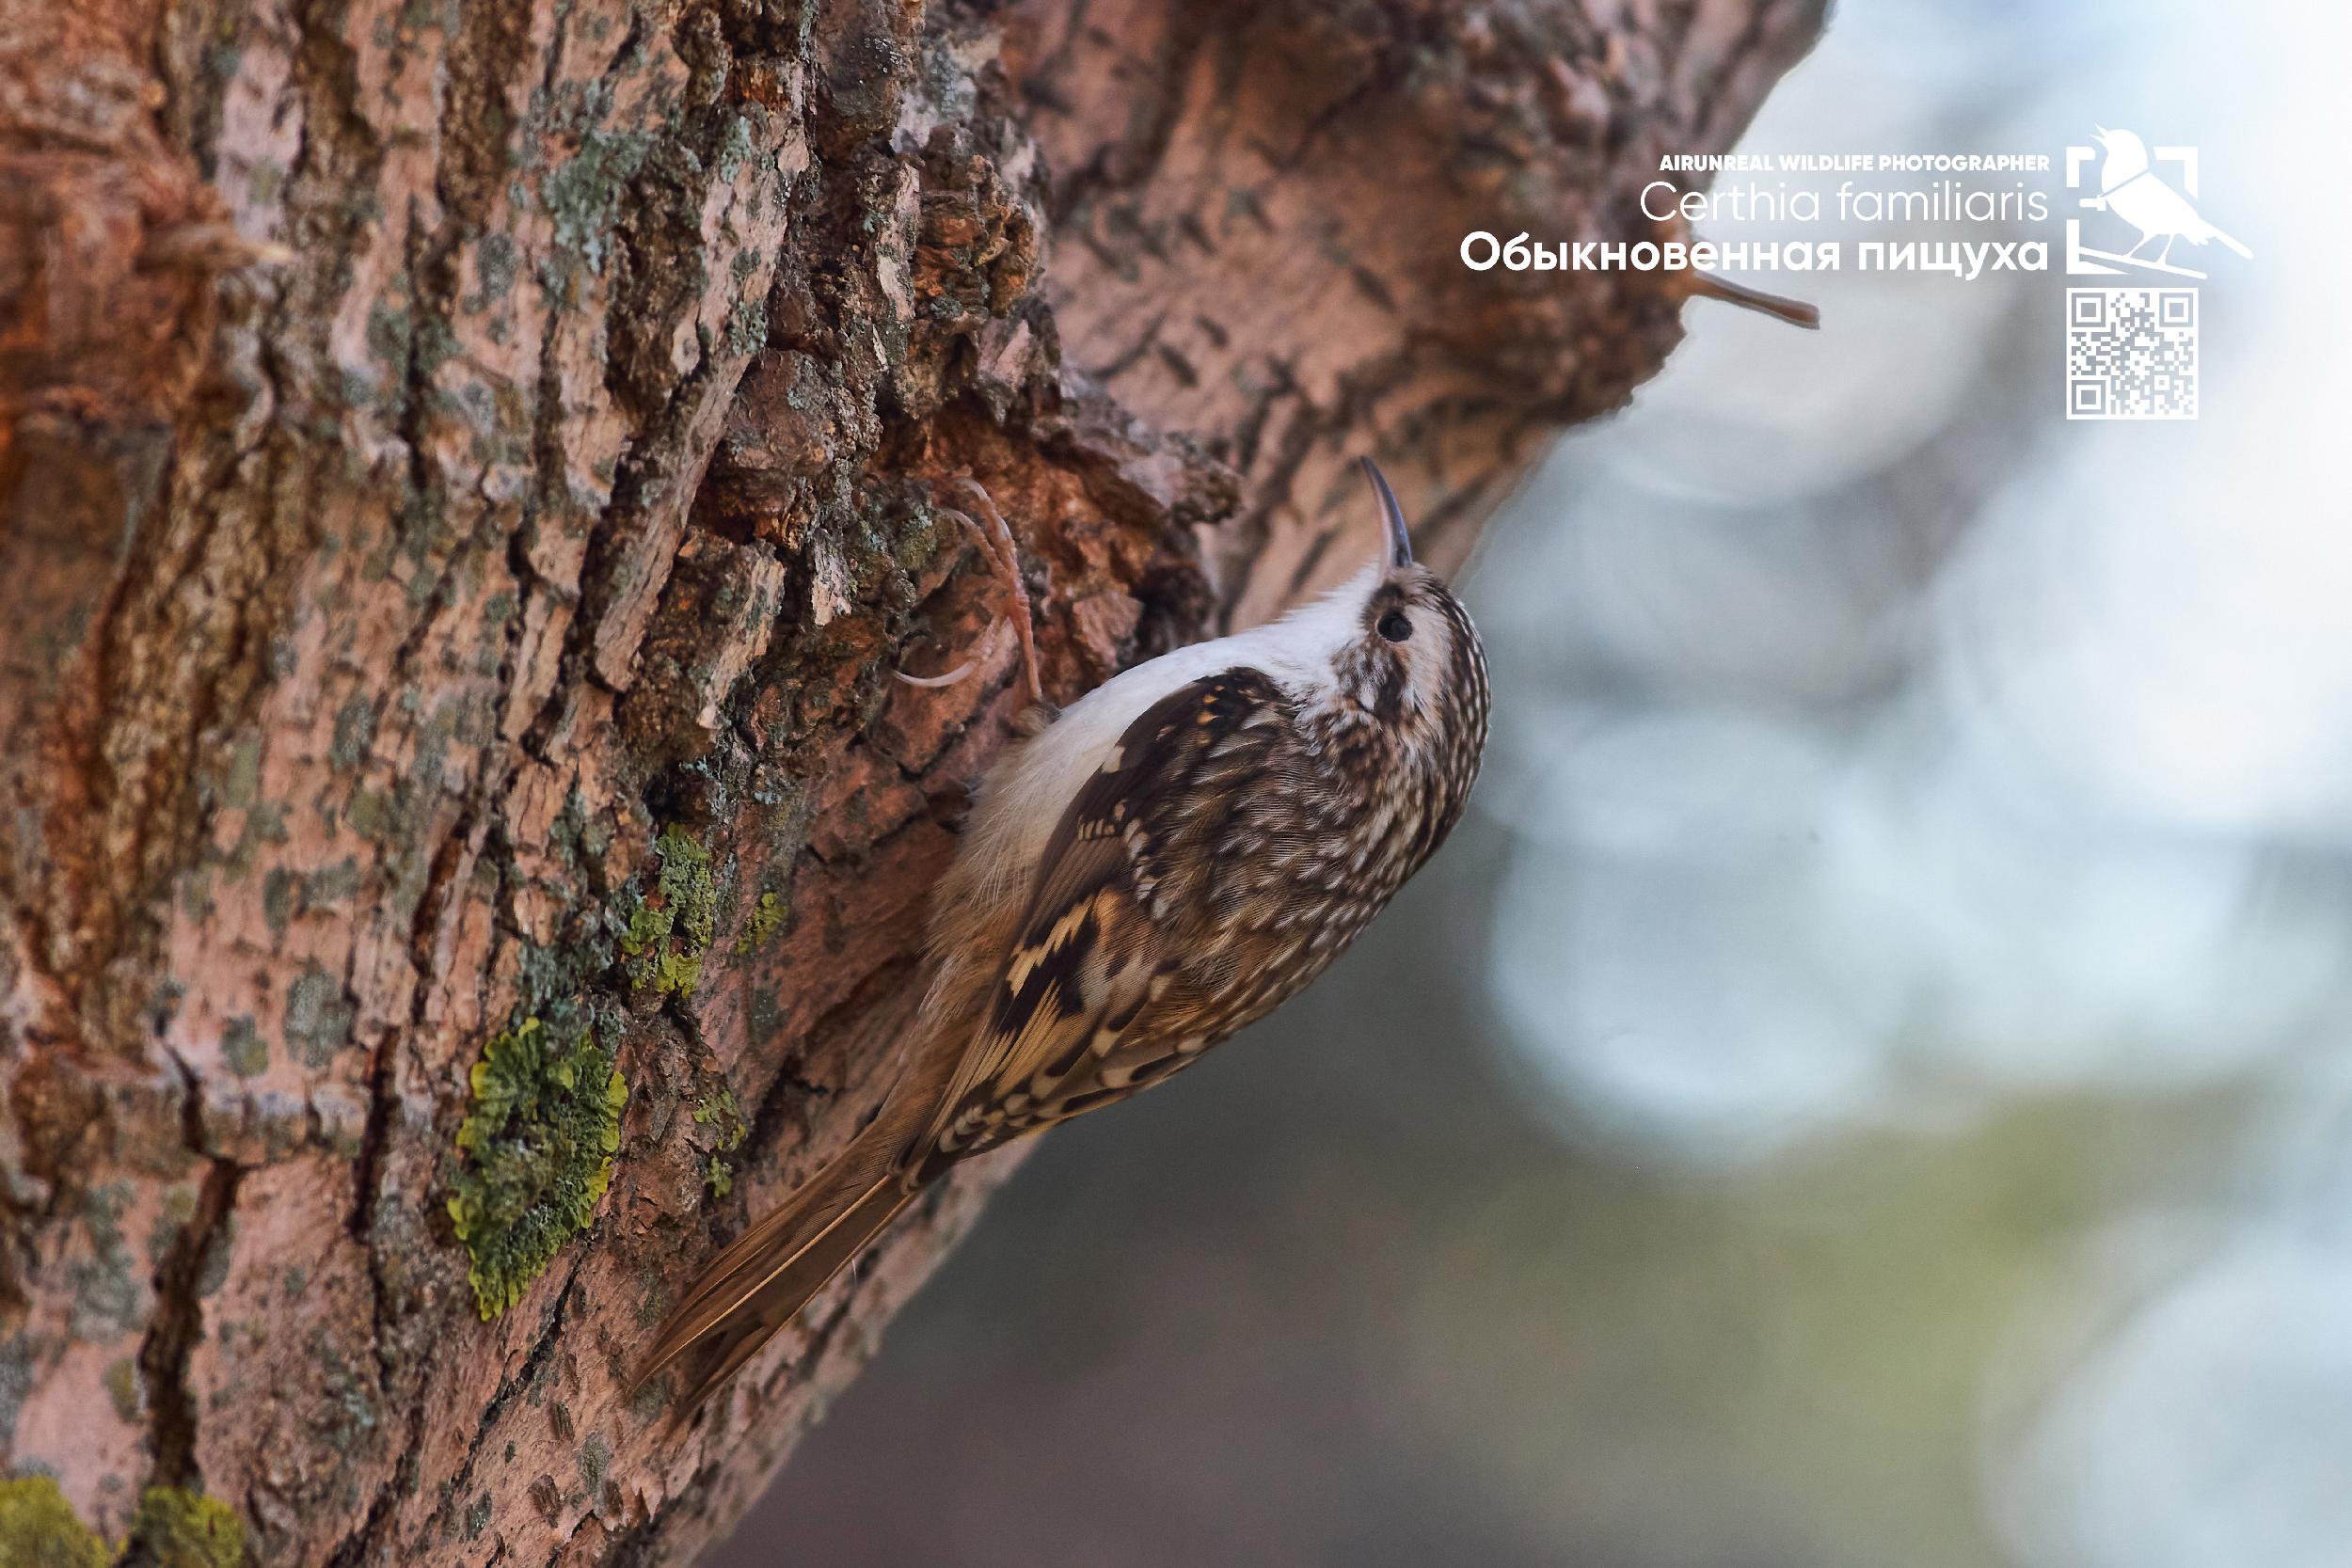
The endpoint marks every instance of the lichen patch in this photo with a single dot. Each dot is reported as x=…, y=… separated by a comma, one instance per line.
x=539, y=1140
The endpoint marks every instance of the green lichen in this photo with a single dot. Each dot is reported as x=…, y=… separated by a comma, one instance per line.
x=355, y=735
x=677, y=974
x=106, y=1298
x=721, y=1112
x=766, y=916
x=277, y=895
x=319, y=1018
x=596, y=1463
x=176, y=1528
x=388, y=334
x=264, y=823
x=241, y=785
x=738, y=144
x=539, y=1142
x=122, y=1387
x=648, y=928
x=495, y=262
x=16, y=1377
x=336, y=884
x=370, y=815
x=39, y=1528
x=179, y=1208
x=583, y=194
x=671, y=927
x=686, y=882
x=747, y=324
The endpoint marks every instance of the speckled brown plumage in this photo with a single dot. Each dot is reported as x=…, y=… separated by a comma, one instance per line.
x=1178, y=854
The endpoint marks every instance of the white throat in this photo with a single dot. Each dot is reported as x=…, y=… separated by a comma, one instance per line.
x=1024, y=793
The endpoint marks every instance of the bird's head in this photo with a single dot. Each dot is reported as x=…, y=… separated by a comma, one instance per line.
x=2122, y=146
x=1393, y=653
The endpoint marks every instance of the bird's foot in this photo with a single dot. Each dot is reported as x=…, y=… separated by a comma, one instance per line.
x=996, y=544
x=961, y=671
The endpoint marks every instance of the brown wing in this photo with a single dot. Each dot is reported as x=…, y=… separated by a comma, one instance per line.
x=1102, y=933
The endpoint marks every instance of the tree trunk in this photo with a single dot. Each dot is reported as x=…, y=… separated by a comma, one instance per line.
x=468, y=471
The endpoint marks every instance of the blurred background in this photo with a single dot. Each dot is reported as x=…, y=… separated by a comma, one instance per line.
x=1871, y=1082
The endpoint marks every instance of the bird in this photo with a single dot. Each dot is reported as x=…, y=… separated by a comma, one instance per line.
x=1164, y=861
x=2131, y=189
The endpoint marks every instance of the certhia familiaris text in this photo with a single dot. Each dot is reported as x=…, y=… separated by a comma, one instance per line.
x=1179, y=852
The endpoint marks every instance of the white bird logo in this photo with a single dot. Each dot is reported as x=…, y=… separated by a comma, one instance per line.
x=2132, y=191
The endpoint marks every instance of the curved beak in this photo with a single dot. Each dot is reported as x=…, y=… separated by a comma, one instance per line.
x=1400, y=538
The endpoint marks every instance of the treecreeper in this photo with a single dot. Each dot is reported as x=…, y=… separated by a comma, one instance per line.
x=1166, y=860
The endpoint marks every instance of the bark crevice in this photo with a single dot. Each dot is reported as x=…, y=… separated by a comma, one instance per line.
x=177, y=1320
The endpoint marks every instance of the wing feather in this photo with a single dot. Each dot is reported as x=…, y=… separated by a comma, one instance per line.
x=1101, y=935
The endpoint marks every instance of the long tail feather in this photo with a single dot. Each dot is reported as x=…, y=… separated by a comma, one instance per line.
x=737, y=1337
x=763, y=1279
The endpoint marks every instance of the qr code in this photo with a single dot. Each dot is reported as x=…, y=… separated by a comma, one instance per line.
x=2131, y=354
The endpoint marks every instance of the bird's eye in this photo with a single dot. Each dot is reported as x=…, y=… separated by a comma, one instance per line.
x=1395, y=625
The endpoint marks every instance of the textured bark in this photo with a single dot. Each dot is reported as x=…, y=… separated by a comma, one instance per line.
x=466, y=479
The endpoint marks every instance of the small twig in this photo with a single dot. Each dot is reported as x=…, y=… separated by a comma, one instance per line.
x=1690, y=280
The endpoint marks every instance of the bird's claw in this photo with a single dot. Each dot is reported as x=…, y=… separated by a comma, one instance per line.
x=949, y=678
x=996, y=543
